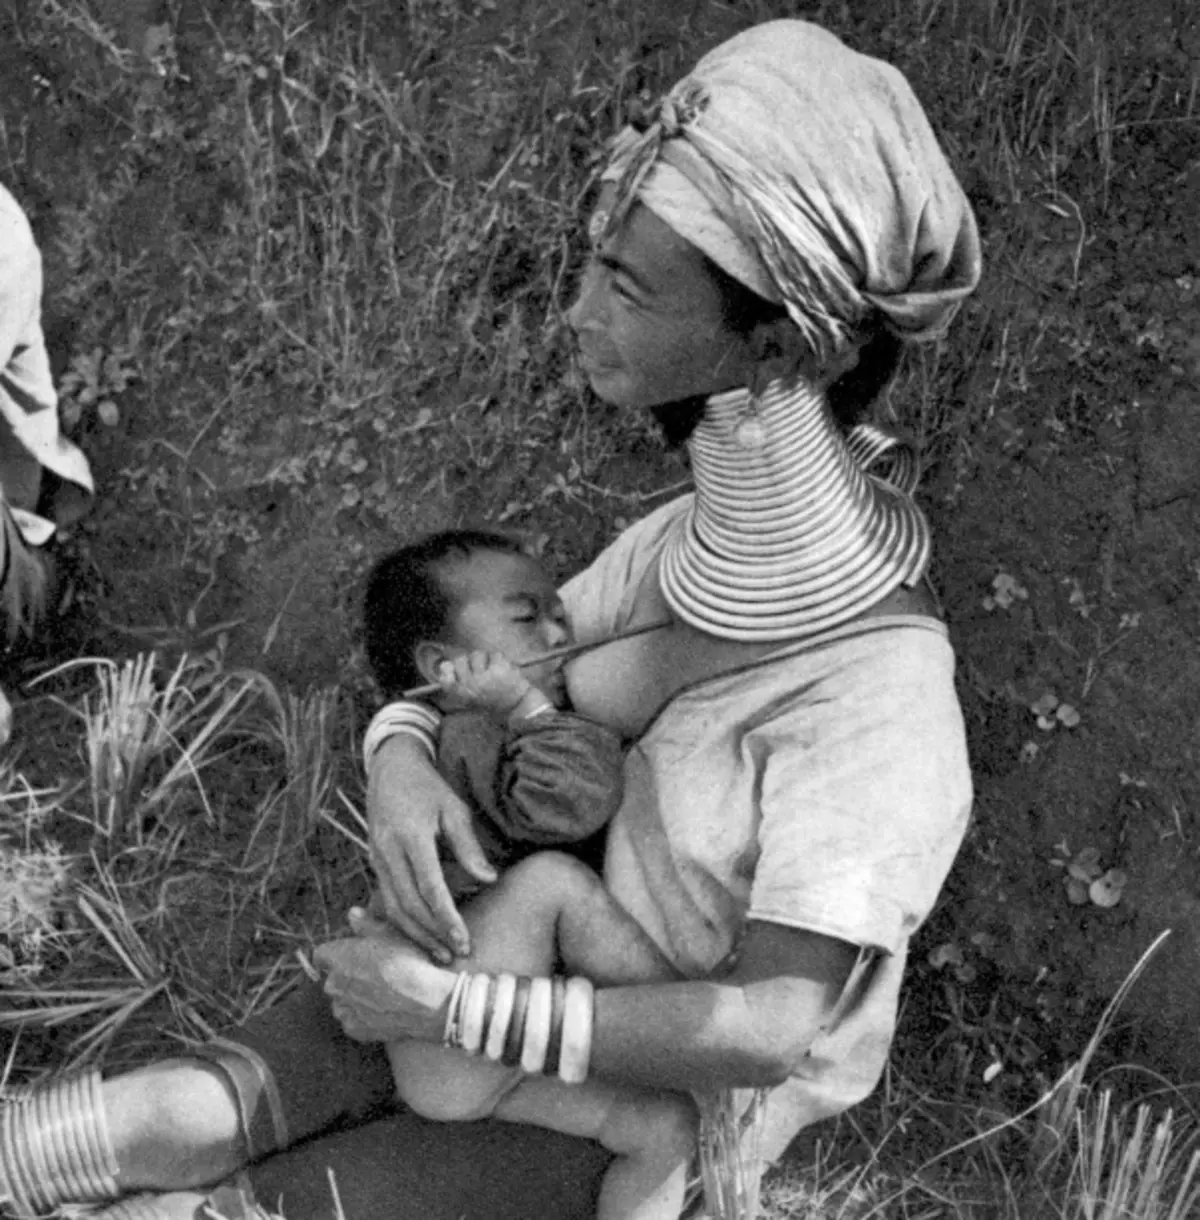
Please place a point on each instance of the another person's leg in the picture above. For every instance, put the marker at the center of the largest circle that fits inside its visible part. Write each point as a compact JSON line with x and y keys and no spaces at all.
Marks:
{"x":190,"y":1122}
{"x":282,"y":1077}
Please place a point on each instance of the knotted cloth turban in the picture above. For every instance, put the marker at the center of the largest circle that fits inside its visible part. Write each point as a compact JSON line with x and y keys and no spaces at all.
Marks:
{"x":810,"y":173}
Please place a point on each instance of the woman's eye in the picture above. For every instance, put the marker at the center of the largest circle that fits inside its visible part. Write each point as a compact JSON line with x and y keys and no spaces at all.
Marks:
{"x":622,"y":291}
{"x":617,"y":284}
{"x":525,"y":618}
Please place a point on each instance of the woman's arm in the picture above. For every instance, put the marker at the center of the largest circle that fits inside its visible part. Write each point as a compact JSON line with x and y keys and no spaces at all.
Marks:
{"x":410,"y":808}
{"x":748,"y":1030}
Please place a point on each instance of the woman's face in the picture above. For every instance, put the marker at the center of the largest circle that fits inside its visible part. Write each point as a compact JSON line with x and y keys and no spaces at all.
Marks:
{"x":650,"y":321}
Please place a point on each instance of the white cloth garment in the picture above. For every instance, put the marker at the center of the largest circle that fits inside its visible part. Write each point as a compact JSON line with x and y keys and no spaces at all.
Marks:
{"x":827,"y":789}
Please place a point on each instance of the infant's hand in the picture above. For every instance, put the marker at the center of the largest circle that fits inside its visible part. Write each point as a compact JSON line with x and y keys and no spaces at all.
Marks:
{"x":487,"y":680}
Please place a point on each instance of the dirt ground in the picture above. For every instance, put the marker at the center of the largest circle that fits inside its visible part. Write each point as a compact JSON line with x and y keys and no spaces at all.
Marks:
{"x":1064,"y":487}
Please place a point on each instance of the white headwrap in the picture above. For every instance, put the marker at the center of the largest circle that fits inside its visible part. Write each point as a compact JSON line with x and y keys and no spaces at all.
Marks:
{"x":810,"y":173}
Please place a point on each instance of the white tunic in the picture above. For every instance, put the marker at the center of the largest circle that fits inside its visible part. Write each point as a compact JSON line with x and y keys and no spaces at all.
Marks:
{"x":824,"y":786}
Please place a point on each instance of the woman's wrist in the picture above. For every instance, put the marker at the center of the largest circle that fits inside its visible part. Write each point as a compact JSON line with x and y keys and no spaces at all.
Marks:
{"x":543,"y":1025}
{"x":416,"y":723}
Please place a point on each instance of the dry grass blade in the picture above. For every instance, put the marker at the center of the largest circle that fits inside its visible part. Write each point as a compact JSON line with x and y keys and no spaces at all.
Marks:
{"x":1131,"y":1173}
{"x":729,"y":1152}
{"x":103,"y":1004}
{"x":361,"y":837}
{"x":1058,"y":1115}
{"x":302,"y":727}
{"x":133,"y":725}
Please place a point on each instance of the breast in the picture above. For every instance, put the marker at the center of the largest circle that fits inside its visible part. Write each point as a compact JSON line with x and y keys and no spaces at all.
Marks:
{"x":620,"y":684}
{"x":625,"y":683}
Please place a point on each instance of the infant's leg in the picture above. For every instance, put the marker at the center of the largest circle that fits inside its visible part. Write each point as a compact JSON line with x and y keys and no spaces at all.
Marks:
{"x":549,"y":905}
{"x":652,"y":1134}
{"x":446,"y":1085}
{"x":550,"y":908}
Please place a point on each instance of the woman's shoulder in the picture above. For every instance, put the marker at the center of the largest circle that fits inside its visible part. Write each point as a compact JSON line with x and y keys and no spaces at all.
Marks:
{"x":605,"y":596}
{"x":646,"y":537}
{"x":897,"y":669}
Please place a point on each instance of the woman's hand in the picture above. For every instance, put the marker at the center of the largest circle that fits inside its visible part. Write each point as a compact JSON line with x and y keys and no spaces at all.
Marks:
{"x":409,"y":809}
{"x":382,"y":986}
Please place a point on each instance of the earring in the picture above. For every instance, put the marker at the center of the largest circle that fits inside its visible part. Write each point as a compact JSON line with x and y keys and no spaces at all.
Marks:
{"x":750,"y":432}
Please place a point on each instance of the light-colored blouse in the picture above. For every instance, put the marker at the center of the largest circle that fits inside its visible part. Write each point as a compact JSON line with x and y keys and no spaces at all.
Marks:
{"x":821,"y":785}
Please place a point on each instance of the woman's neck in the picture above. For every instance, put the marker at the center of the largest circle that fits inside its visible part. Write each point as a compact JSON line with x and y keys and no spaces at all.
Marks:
{"x":788,"y":536}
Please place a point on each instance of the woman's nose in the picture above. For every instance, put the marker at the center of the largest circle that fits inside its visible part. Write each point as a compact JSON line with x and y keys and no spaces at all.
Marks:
{"x":556,"y":634}
{"x":585,"y":311}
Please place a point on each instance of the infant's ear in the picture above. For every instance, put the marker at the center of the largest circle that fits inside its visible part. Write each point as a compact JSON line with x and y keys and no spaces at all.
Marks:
{"x":428,"y":655}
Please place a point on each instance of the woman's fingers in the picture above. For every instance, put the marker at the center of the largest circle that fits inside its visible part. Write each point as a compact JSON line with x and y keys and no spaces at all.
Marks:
{"x":382,"y":988}
{"x":363,"y":923}
{"x":459,"y":832}
{"x":418,"y":924}
{"x":410,"y":807}
{"x":437,"y":912}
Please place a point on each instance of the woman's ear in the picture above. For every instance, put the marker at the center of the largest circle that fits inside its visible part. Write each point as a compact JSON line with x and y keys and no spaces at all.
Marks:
{"x":428,"y":655}
{"x":780,"y":354}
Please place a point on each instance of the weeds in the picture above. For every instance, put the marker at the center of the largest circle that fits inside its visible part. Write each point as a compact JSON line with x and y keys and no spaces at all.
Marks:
{"x":143,"y":739}
{"x":162,"y":895}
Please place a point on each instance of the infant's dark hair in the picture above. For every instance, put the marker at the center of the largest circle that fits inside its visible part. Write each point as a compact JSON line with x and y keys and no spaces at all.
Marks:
{"x":406,"y":601}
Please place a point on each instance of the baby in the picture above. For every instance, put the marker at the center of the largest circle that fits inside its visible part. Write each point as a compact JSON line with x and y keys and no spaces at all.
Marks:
{"x":461,"y":609}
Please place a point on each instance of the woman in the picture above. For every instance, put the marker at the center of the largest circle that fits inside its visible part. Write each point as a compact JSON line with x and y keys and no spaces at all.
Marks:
{"x":798,"y":784}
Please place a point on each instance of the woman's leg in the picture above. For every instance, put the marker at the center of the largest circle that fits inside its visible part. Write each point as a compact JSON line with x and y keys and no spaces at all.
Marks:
{"x":282,"y":1077}
{"x":404,"y":1167}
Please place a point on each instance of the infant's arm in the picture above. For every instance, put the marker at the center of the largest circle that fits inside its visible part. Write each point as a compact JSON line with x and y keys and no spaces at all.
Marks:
{"x":561,"y":779}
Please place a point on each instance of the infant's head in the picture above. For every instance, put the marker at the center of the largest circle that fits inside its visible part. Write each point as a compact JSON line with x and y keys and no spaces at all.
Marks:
{"x":455,"y":592}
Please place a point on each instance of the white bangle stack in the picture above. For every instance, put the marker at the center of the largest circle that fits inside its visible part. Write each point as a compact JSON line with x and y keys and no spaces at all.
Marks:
{"x":404,"y":716}
{"x":543,"y":1025}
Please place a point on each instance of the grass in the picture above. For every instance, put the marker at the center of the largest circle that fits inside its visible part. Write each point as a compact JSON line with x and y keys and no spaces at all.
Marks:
{"x":317,"y":265}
